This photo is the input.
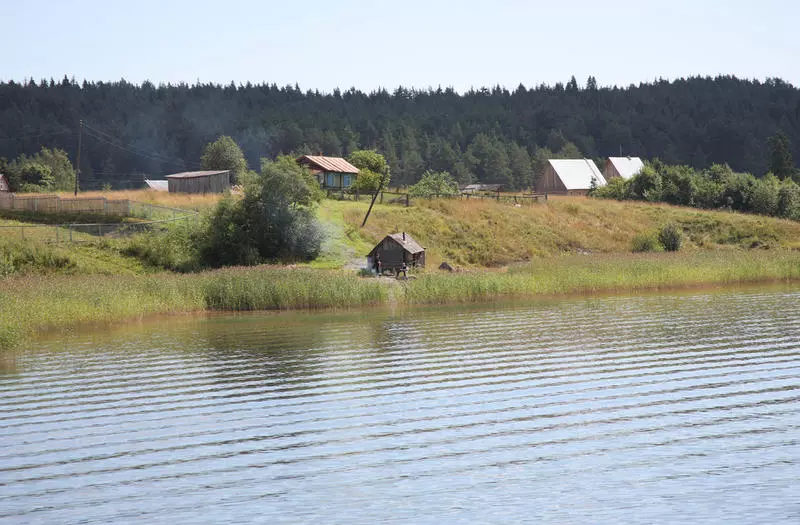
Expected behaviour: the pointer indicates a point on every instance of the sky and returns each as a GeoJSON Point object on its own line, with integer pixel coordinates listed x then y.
{"type": "Point", "coordinates": [353, 43]}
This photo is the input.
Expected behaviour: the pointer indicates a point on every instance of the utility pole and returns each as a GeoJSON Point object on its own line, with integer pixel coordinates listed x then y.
{"type": "Point", "coordinates": [78, 157]}
{"type": "Point", "coordinates": [374, 197]}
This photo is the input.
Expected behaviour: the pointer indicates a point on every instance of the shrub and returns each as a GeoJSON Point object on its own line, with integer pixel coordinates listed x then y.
{"type": "Point", "coordinates": [645, 242]}
{"type": "Point", "coordinates": [174, 247]}
{"type": "Point", "coordinates": [434, 183]}
{"type": "Point", "coordinates": [670, 237]}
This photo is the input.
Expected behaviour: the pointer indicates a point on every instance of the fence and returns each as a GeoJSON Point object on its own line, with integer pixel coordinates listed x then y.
{"type": "Point", "coordinates": [151, 216]}
{"type": "Point", "coordinates": [391, 197]}
{"type": "Point", "coordinates": [53, 204]}
{"type": "Point", "coordinates": [74, 233]}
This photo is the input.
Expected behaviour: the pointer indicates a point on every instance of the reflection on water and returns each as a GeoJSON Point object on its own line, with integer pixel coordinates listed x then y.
{"type": "Point", "coordinates": [678, 408]}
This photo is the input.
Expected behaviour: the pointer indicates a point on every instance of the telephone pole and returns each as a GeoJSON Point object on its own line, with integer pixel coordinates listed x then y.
{"type": "Point", "coordinates": [78, 157]}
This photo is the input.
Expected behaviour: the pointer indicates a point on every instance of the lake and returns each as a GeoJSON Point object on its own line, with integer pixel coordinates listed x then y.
{"type": "Point", "coordinates": [675, 408]}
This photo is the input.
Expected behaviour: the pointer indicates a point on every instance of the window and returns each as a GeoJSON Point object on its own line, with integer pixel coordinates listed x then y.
{"type": "Point", "coordinates": [331, 180]}
{"type": "Point", "coordinates": [347, 180]}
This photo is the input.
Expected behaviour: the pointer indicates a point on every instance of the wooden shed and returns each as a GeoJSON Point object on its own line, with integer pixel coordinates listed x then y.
{"type": "Point", "coordinates": [624, 167]}
{"type": "Point", "coordinates": [199, 182]}
{"type": "Point", "coordinates": [4, 186]}
{"type": "Point", "coordinates": [394, 250]}
{"type": "Point", "coordinates": [332, 172]}
{"type": "Point", "coordinates": [569, 177]}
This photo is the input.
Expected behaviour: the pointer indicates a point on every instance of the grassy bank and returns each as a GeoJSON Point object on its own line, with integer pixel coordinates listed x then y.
{"type": "Point", "coordinates": [30, 305]}
{"type": "Point", "coordinates": [475, 234]}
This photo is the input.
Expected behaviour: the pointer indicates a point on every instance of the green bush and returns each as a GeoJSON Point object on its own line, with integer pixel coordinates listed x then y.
{"type": "Point", "coordinates": [173, 247]}
{"type": "Point", "coordinates": [645, 242]}
{"type": "Point", "coordinates": [670, 237]}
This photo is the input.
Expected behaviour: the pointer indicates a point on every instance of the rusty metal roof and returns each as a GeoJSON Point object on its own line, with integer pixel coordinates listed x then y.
{"type": "Point", "coordinates": [333, 164]}
{"type": "Point", "coordinates": [193, 174]}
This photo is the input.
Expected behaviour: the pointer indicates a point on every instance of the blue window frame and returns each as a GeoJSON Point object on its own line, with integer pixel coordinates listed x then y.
{"type": "Point", "coordinates": [347, 180]}
{"type": "Point", "coordinates": [331, 180]}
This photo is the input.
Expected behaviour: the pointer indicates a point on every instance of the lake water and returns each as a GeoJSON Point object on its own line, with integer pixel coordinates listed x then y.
{"type": "Point", "coordinates": [680, 408]}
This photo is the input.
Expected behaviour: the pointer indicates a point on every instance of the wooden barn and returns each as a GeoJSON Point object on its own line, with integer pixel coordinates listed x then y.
{"type": "Point", "coordinates": [333, 173]}
{"type": "Point", "coordinates": [4, 186]}
{"type": "Point", "coordinates": [624, 167]}
{"type": "Point", "coordinates": [199, 182]}
{"type": "Point", "coordinates": [569, 177]}
{"type": "Point", "coordinates": [394, 250]}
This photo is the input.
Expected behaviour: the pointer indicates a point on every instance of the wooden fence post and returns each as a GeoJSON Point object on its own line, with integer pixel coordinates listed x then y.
{"type": "Point", "coordinates": [408, 202]}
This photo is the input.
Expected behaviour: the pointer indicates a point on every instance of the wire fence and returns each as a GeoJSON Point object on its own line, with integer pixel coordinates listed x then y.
{"type": "Point", "coordinates": [55, 205]}
{"type": "Point", "coordinates": [405, 199]}
{"type": "Point", "coordinates": [147, 217]}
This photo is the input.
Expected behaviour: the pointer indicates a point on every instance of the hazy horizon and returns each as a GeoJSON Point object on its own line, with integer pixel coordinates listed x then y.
{"type": "Point", "coordinates": [415, 45]}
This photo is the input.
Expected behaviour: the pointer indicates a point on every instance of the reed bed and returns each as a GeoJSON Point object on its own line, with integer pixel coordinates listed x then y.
{"type": "Point", "coordinates": [578, 274]}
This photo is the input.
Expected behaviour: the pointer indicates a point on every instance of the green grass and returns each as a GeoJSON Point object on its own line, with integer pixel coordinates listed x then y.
{"type": "Point", "coordinates": [35, 304]}
{"type": "Point", "coordinates": [576, 274]}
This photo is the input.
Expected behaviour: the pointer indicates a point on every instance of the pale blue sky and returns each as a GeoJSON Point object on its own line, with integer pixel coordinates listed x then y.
{"type": "Point", "coordinates": [322, 45]}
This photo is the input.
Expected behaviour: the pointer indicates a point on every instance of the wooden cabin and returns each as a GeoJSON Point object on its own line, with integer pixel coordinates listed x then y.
{"type": "Point", "coordinates": [624, 167]}
{"type": "Point", "coordinates": [394, 250]}
{"type": "Point", "coordinates": [569, 177]}
{"type": "Point", "coordinates": [199, 182]}
{"type": "Point", "coordinates": [333, 173]}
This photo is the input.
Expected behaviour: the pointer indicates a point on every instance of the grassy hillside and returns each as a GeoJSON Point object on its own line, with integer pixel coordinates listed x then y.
{"type": "Point", "coordinates": [489, 234]}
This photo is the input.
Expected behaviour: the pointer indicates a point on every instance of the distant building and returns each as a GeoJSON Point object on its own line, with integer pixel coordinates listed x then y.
{"type": "Point", "coordinates": [625, 167]}
{"type": "Point", "coordinates": [157, 185]}
{"type": "Point", "coordinates": [199, 182]}
{"type": "Point", "coordinates": [332, 172]}
{"type": "Point", "coordinates": [569, 177]}
{"type": "Point", "coordinates": [4, 186]}
{"type": "Point", "coordinates": [477, 188]}
{"type": "Point", "coordinates": [396, 249]}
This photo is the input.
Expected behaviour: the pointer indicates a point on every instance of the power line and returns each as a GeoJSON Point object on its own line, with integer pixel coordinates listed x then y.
{"type": "Point", "coordinates": [39, 135]}
{"type": "Point", "coordinates": [96, 134]}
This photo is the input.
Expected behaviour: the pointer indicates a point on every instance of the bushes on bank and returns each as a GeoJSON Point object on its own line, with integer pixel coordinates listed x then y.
{"type": "Point", "coordinates": [645, 242]}
{"type": "Point", "coordinates": [718, 187]}
{"type": "Point", "coordinates": [670, 238]}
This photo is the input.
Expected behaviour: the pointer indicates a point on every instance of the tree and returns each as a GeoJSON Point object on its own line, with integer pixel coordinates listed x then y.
{"type": "Point", "coordinates": [224, 154]}
{"type": "Point", "coordinates": [781, 163]}
{"type": "Point", "coordinates": [434, 183]}
{"type": "Point", "coordinates": [274, 221]}
{"type": "Point", "coordinates": [372, 168]}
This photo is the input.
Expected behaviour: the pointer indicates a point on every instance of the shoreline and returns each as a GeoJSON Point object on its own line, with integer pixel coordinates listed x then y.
{"type": "Point", "coordinates": [36, 305]}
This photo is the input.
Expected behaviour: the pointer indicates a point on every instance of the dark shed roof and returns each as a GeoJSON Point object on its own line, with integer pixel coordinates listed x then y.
{"type": "Point", "coordinates": [331, 164]}
{"type": "Point", "coordinates": [404, 240]}
{"type": "Point", "coordinates": [194, 174]}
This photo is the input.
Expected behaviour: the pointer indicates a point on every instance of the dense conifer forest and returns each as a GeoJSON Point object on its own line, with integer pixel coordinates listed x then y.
{"type": "Point", "coordinates": [488, 135]}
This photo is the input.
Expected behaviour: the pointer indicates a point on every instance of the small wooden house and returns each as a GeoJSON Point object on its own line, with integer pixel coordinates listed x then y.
{"type": "Point", "coordinates": [394, 250]}
{"type": "Point", "coordinates": [569, 177]}
{"type": "Point", "coordinates": [333, 173]}
{"type": "Point", "coordinates": [624, 167]}
{"type": "Point", "coordinates": [4, 186]}
{"type": "Point", "coordinates": [199, 182]}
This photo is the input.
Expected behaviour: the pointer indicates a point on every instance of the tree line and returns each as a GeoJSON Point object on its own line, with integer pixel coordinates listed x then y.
{"type": "Point", "coordinates": [483, 135]}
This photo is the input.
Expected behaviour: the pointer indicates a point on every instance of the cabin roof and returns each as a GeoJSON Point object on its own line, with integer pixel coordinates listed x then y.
{"type": "Point", "coordinates": [627, 167]}
{"type": "Point", "coordinates": [408, 244]}
{"type": "Point", "coordinates": [332, 164]}
{"type": "Point", "coordinates": [577, 174]}
{"type": "Point", "coordinates": [159, 185]}
{"type": "Point", "coordinates": [195, 174]}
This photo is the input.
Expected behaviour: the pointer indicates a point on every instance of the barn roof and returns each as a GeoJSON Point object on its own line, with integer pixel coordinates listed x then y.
{"type": "Point", "coordinates": [408, 244]}
{"type": "Point", "coordinates": [195, 174]}
{"type": "Point", "coordinates": [332, 164]}
{"type": "Point", "coordinates": [577, 174]}
{"type": "Point", "coordinates": [627, 167]}
{"type": "Point", "coordinates": [158, 185]}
